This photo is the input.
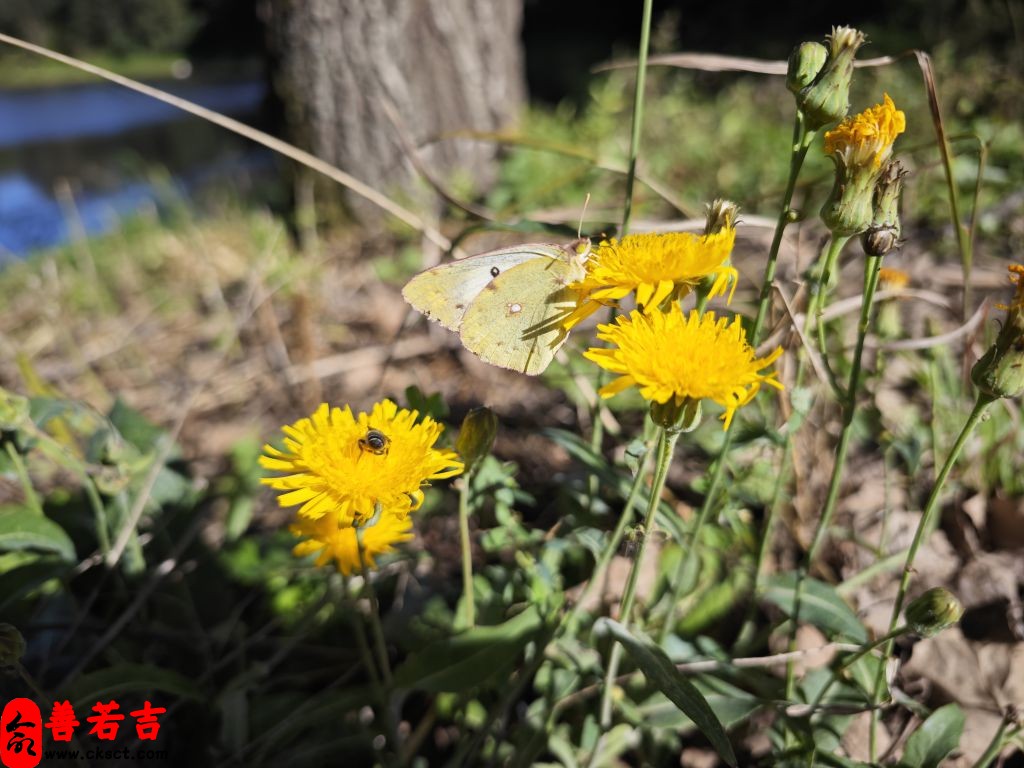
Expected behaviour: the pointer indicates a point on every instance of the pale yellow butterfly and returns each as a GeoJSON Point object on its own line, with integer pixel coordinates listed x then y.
{"type": "Point", "coordinates": [506, 305]}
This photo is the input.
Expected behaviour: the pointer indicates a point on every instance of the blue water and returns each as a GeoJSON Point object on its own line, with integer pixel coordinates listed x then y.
{"type": "Point", "coordinates": [103, 140]}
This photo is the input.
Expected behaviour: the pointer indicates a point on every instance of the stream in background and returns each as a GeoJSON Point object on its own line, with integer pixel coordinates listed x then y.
{"type": "Point", "coordinates": [98, 153]}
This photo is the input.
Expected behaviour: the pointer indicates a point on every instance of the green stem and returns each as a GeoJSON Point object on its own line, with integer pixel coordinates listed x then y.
{"type": "Point", "coordinates": [999, 740]}
{"type": "Point", "coordinates": [371, 669]}
{"type": "Point", "coordinates": [871, 268]}
{"type": "Point", "coordinates": [924, 527]}
{"type": "Point", "coordinates": [375, 626]}
{"type": "Point", "coordinates": [849, 407]}
{"type": "Point", "coordinates": [611, 547]}
{"type": "Point", "coordinates": [638, 113]}
{"type": "Point", "coordinates": [666, 446]}
{"type": "Point", "coordinates": [467, 554]}
{"type": "Point", "coordinates": [31, 499]}
{"type": "Point", "coordinates": [865, 649]}
{"type": "Point", "coordinates": [802, 140]}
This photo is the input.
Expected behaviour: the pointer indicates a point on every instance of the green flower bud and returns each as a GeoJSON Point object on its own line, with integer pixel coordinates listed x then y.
{"type": "Point", "coordinates": [805, 62]}
{"type": "Point", "coordinates": [476, 436]}
{"type": "Point", "coordinates": [676, 417]}
{"type": "Point", "coordinates": [849, 209]}
{"type": "Point", "coordinates": [827, 98]}
{"type": "Point", "coordinates": [935, 610]}
{"type": "Point", "coordinates": [885, 230]}
{"type": "Point", "coordinates": [14, 411]}
{"type": "Point", "coordinates": [12, 645]}
{"type": "Point", "coordinates": [1000, 371]}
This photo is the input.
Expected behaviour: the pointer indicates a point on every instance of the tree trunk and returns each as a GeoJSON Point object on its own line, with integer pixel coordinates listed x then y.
{"type": "Point", "coordinates": [443, 65]}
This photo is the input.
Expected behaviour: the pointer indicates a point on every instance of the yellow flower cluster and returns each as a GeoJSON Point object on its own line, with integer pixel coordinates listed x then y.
{"type": "Point", "coordinates": [671, 357]}
{"type": "Point", "coordinates": [355, 479]}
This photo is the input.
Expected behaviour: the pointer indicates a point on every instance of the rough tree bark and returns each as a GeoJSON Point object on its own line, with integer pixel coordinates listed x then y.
{"type": "Point", "coordinates": [445, 66]}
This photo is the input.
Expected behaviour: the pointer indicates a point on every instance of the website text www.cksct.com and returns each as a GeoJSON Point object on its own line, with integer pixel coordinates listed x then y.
{"type": "Point", "coordinates": [98, 753]}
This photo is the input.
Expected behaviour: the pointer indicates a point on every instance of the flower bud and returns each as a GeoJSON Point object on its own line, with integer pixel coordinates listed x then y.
{"type": "Point", "coordinates": [935, 610]}
{"type": "Point", "coordinates": [805, 62]}
{"type": "Point", "coordinates": [1000, 371]}
{"type": "Point", "coordinates": [720, 215]}
{"type": "Point", "coordinates": [476, 436]}
{"type": "Point", "coordinates": [12, 645]}
{"type": "Point", "coordinates": [885, 230]}
{"type": "Point", "coordinates": [827, 98]}
{"type": "Point", "coordinates": [676, 417]}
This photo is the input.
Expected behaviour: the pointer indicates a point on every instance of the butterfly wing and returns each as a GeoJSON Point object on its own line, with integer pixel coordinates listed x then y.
{"type": "Point", "coordinates": [444, 293]}
{"type": "Point", "coordinates": [516, 320]}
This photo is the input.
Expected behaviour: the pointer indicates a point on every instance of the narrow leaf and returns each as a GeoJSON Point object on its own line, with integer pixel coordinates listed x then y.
{"type": "Point", "coordinates": [820, 605]}
{"type": "Point", "coordinates": [469, 659]}
{"type": "Point", "coordinates": [660, 671]}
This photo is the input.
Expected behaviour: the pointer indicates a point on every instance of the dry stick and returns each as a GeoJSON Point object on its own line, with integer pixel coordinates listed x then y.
{"type": "Point", "coordinates": [281, 147]}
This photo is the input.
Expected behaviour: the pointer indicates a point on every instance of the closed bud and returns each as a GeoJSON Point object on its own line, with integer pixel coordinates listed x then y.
{"type": "Point", "coordinates": [827, 98]}
{"type": "Point", "coordinates": [935, 610]}
{"type": "Point", "coordinates": [676, 417]}
{"type": "Point", "coordinates": [476, 436]}
{"type": "Point", "coordinates": [12, 645]}
{"type": "Point", "coordinates": [884, 233]}
{"type": "Point", "coordinates": [805, 62]}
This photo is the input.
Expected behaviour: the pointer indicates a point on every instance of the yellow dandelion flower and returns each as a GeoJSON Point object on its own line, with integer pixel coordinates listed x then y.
{"type": "Point", "coordinates": [866, 139]}
{"type": "Point", "coordinates": [344, 464]}
{"type": "Point", "coordinates": [657, 266]}
{"type": "Point", "coordinates": [330, 538]}
{"type": "Point", "coordinates": [893, 279]}
{"type": "Point", "coordinates": [672, 357]}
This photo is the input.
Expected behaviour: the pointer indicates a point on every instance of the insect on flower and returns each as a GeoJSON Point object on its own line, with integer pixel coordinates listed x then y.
{"type": "Point", "coordinates": [376, 442]}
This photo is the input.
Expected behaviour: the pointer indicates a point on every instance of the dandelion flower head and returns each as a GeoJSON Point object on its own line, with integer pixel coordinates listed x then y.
{"type": "Point", "coordinates": [330, 467]}
{"type": "Point", "coordinates": [865, 140]}
{"type": "Point", "coordinates": [657, 266]}
{"type": "Point", "coordinates": [329, 539]}
{"type": "Point", "coordinates": [894, 279]}
{"type": "Point", "coordinates": [669, 356]}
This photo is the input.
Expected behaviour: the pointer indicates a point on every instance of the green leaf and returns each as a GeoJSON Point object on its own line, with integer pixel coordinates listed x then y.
{"type": "Point", "coordinates": [469, 659]}
{"type": "Point", "coordinates": [125, 678]}
{"type": "Point", "coordinates": [662, 672]}
{"type": "Point", "coordinates": [934, 739]}
{"type": "Point", "coordinates": [820, 605]}
{"type": "Point", "coordinates": [23, 528]}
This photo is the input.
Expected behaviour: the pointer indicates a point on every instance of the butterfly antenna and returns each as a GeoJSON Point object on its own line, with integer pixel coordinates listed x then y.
{"type": "Point", "coordinates": [583, 213]}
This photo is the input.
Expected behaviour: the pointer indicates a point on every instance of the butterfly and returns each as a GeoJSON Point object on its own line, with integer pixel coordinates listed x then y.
{"type": "Point", "coordinates": [506, 305]}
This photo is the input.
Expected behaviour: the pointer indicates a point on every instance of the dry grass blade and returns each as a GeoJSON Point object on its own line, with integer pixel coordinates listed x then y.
{"type": "Point", "coordinates": [924, 62]}
{"type": "Point", "coordinates": [715, 62]}
{"type": "Point", "coordinates": [281, 147]}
